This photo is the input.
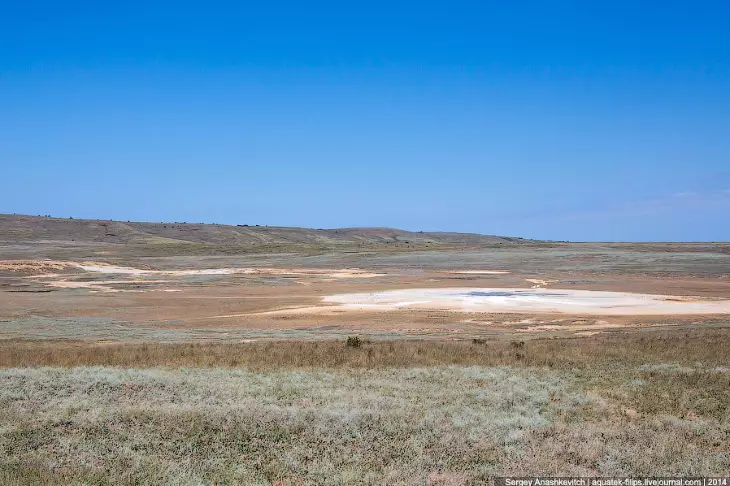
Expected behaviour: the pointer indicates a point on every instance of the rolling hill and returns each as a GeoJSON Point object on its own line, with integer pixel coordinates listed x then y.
{"type": "Point", "coordinates": [27, 229]}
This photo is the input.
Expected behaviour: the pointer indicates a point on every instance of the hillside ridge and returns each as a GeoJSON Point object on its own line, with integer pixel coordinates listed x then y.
{"type": "Point", "coordinates": [26, 228]}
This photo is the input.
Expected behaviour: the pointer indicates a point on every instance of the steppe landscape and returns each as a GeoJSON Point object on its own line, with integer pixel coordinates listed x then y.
{"type": "Point", "coordinates": [182, 353]}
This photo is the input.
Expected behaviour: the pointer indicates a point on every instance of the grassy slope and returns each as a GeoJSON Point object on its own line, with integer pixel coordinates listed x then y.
{"type": "Point", "coordinates": [56, 238]}
{"type": "Point", "coordinates": [33, 228]}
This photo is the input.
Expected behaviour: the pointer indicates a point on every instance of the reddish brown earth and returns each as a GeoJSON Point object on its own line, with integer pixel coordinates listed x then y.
{"type": "Point", "coordinates": [60, 287]}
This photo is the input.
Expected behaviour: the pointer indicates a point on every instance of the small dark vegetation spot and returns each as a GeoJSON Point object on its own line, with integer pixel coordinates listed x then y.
{"type": "Point", "coordinates": [517, 344]}
{"type": "Point", "coordinates": [353, 342]}
{"type": "Point", "coordinates": [478, 341]}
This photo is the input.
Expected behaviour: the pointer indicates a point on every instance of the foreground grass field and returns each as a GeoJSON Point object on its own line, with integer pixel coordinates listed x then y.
{"type": "Point", "coordinates": [642, 403]}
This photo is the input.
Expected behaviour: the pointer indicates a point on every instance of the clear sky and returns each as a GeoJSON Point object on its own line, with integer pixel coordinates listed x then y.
{"type": "Point", "coordinates": [605, 120]}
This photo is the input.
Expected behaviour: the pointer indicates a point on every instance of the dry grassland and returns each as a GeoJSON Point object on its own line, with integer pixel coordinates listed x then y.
{"type": "Point", "coordinates": [706, 345]}
{"type": "Point", "coordinates": [395, 412]}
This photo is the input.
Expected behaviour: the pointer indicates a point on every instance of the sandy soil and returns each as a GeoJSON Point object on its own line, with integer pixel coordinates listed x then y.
{"type": "Point", "coordinates": [65, 274]}
{"type": "Point", "coordinates": [480, 272]}
{"type": "Point", "coordinates": [225, 295]}
{"type": "Point", "coordinates": [334, 274]}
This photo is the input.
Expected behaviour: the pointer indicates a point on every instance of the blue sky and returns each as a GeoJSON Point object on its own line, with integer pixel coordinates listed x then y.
{"type": "Point", "coordinates": [556, 120]}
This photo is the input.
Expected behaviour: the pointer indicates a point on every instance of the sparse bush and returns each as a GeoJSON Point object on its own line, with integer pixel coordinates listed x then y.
{"type": "Point", "coordinates": [353, 342]}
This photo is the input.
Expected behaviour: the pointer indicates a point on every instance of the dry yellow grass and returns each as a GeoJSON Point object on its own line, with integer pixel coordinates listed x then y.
{"type": "Point", "coordinates": [394, 412]}
{"type": "Point", "coordinates": [708, 345]}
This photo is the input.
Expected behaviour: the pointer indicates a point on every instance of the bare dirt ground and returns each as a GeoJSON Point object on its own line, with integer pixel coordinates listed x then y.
{"type": "Point", "coordinates": [115, 295]}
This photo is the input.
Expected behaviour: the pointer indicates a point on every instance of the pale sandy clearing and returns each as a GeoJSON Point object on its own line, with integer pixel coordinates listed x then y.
{"type": "Point", "coordinates": [101, 285]}
{"type": "Point", "coordinates": [481, 272]}
{"type": "Point", "coordinates": [539, 283]}
{"type": "Point", "coordinates": [529, 301]}
{"type": "Point", "coordinates": [344, 273]}
{"type": "Point", "coordinates": [46, 269]}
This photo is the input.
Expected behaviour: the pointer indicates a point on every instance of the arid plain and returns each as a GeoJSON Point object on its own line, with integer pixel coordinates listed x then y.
{"type": "Point", "coordinates": [496, 347]}
{"type": "Point", "coordinates": [121, 282]}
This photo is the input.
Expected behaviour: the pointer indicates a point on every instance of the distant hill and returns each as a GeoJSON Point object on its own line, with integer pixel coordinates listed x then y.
{"type": "Point", "coordinates": [19, 228]}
